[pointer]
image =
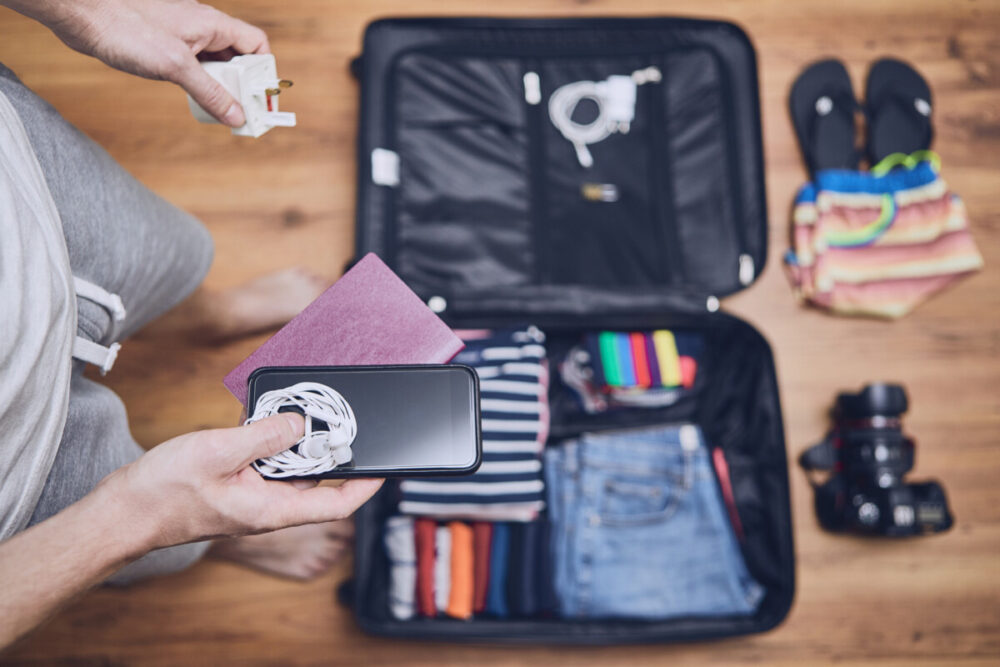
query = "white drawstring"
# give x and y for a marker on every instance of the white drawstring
(94, 353)
(99, 295)
(87, 350)
(316, 452)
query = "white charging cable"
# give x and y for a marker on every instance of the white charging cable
(615, 100)
(317, 451)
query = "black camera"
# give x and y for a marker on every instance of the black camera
(868, 455)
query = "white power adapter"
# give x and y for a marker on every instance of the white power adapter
(617, 92)
(253, 81)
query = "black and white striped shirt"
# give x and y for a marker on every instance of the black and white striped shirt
(514, 381)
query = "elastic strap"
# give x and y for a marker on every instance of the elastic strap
(722, 470)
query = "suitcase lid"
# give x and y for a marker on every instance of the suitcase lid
(469, 188)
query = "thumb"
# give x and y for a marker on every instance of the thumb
(209, 93)
(265, 438)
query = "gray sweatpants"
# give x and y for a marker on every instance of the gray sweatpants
(129, 241)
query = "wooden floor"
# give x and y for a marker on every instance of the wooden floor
(288, 199)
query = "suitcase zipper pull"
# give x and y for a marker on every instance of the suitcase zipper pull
(437, 304)
(532, 88)
(746, 269)
(385, 167)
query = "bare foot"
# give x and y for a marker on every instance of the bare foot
(266, 302)
(300, 552)
(258, 305)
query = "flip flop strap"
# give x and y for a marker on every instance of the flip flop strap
(844, 104)
(905, 102)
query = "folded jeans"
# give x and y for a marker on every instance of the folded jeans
(640, 530)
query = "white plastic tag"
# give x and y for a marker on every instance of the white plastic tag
(532, 88)
(385, 167)
(689, 438)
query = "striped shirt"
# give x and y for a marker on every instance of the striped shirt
(513, 381)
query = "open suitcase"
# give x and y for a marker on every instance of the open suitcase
(476, 199)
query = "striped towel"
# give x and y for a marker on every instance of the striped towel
(513, 382)
(879, 244)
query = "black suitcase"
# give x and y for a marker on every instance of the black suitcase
(474, 197)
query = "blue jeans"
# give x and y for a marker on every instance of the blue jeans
(639, 528)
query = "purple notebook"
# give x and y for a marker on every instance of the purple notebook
(368, 317)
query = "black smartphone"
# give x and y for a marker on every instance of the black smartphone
(411, 420)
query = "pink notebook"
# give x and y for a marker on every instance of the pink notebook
(368, 317)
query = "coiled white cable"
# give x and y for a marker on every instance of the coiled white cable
(316, 452)
(615, 100)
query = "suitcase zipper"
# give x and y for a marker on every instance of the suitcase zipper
(535, 131)
(661, 196)
(494, 308)
(745, 267)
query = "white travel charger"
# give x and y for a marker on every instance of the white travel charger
(615, 99)
(253, 81)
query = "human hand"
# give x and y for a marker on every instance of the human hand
(156, 39)
(201, 486)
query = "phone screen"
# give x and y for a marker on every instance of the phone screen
(410, 419)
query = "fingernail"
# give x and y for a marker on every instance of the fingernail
(234, 116)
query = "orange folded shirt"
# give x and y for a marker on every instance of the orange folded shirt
(460, 600)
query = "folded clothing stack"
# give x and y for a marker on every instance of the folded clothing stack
(632, 369)
(639, 528)
(460, 569)
(879, 243)
(509, 486)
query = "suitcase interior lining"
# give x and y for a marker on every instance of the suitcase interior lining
(736, 367)
(490, 191)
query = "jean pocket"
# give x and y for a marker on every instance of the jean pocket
(639, 502)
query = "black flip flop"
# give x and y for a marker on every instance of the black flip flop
(823, 105)
(898, 106)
